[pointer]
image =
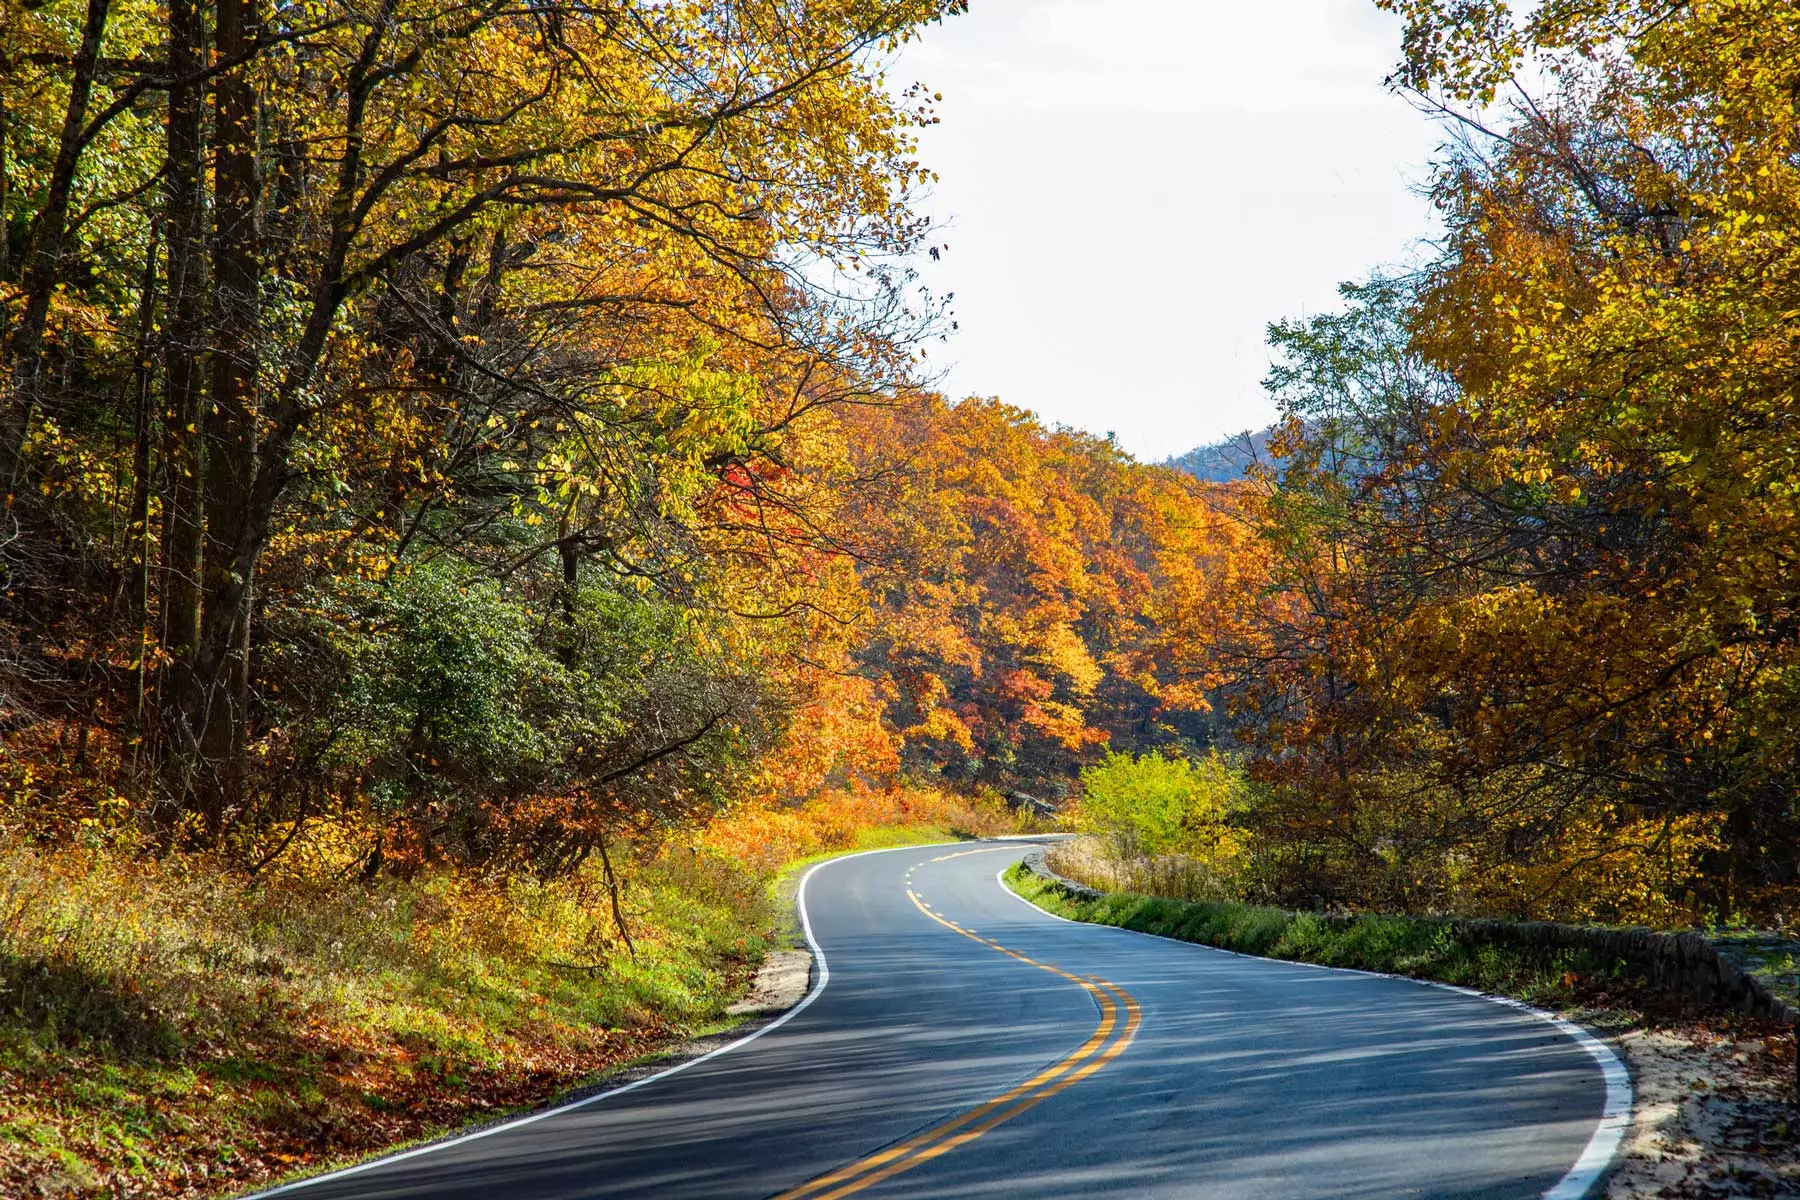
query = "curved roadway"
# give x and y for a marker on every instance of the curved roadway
(967, 1044)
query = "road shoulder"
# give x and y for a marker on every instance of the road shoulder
(1712, 1116)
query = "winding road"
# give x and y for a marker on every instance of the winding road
(963, 1043)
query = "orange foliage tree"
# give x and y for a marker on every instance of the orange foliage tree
(1033, 590)
(1536, 519)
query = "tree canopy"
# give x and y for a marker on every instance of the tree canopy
(483, 432)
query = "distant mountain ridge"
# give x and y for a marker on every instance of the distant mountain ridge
(1224, 461)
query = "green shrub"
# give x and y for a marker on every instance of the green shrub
(1168, 817)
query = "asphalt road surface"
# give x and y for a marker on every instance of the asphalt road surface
(967, 1044)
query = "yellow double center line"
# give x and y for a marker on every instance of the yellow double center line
(1119, 1020)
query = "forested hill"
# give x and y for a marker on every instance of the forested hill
(1226, 460)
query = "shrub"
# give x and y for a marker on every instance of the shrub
(1170, 818)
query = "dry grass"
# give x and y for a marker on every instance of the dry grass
(167, 1028)
(1086, 861)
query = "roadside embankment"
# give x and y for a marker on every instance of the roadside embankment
(169, 1027)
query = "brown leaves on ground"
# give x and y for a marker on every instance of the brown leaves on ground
(1714, 1115)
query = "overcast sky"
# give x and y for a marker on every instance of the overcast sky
(1134, 189)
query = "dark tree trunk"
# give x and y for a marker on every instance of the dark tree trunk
(221, 666)
(5, 195)
(568, 549)
(137, 528)
(135, 578)
(618, 907)
(254, 446)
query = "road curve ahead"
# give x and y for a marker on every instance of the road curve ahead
(966, 1044)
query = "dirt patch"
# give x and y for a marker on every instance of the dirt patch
(779, 985)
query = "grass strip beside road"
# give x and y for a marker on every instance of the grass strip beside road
(1553, 977)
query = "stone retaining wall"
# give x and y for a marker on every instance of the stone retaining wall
(1683, 964)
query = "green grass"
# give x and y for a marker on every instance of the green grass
(1419, 947)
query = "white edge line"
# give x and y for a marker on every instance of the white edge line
(1615, 1110)
(544, 1114)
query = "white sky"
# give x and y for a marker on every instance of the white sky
(1134, 189)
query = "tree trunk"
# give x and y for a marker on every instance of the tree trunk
(568, 548)
(618, 907)
(137, 528)
(135, 577)
(5, 195)
(221, 665)
(254, 468)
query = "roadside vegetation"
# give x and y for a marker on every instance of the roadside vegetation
(1421, 947)
(171, 1029)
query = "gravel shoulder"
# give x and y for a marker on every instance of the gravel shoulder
(780, 984)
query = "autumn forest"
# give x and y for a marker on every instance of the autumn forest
(489, 447)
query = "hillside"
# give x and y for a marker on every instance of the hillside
(1224, 460)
